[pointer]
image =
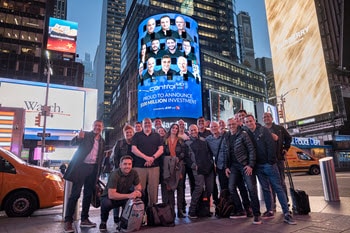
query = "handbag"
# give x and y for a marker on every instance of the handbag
(160, 215)
(96, 194)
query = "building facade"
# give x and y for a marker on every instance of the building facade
(245, 37)
(24, 33)
(219, 61)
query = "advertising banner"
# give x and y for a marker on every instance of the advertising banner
(62, 35)
(169, 81)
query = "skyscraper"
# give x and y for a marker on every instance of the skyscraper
(245, 37)
(108, 54)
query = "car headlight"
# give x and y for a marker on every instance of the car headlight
(52, 176)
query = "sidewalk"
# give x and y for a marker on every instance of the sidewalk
(325, 217)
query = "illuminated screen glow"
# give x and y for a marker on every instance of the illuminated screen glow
(224, 106)
(298, 60)
(169, 81)
(62, 35)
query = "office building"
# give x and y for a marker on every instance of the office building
(24, 30)
(108, 55)
(245, 37)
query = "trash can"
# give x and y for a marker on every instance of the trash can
(67, 191)
(329, 180)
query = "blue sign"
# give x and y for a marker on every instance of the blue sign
(169, 80)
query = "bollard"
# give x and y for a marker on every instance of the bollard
(67, 191)
(329, 180)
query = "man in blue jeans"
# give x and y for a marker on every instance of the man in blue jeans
(266, 167)
(123, 184)
(239, 165)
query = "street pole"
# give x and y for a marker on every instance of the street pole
(45, 110)
(283, 100)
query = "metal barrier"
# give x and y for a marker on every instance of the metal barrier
(67, 191)
(329, 180)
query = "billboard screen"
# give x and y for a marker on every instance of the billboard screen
(62, 35)
(169, 81)
(71, 108)
(224, 106)
(298, 59)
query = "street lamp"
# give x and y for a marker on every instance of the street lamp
(283, 100)
(45, 110)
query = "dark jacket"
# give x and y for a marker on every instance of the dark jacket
(283, 142)
(200, 155)
(181, 149)
(242, 151)
(264, 144)
(84, 148)
(120, 149)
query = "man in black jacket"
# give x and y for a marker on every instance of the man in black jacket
(83, 170)
(201, 160)
(283, 141)
(239, 164)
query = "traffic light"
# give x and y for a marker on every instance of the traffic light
(280, 113)
(37, 120)
(49, 149)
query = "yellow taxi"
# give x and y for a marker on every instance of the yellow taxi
(301, 161)
(25, 188)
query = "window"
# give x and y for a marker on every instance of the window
(6, 166)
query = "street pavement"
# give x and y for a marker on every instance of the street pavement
(328, 217)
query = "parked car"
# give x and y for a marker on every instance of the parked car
(301, 161)
(25, 188)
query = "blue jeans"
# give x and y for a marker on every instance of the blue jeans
(108, 204)
(88, 180)
(268, 175)
(236, 176)
(281, 166)
(200, 182)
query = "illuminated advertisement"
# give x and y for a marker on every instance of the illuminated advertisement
(262, 107)
(298, 59)
(224, 106)
(169, 81)
(62, 35)
(71, 108)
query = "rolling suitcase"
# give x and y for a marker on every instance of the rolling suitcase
(300, 199)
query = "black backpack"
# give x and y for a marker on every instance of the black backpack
(224, 207)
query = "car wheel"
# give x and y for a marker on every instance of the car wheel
(314, 170)
(21, 204)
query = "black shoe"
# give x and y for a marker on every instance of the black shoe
(103, 227)
(116, 220)
(87, 223)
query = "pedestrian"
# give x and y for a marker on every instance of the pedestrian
(266, 168)
(121, 148)
(239, 167)
(84, 170)
(147, 147)
(63, 168)
(123, 184)
(175, 152)
(201, 162)
(283, 141)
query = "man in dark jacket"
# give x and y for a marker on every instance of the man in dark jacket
(239, 164)
(283, 141)
(266, 168)
(201, 160)
(84, 170)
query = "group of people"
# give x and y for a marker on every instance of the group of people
(173, 50)
(149, 155)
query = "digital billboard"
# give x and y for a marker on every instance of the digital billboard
(224, 106)
(71, 108)
(62, 35)
(298, 60)
(169, 80)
